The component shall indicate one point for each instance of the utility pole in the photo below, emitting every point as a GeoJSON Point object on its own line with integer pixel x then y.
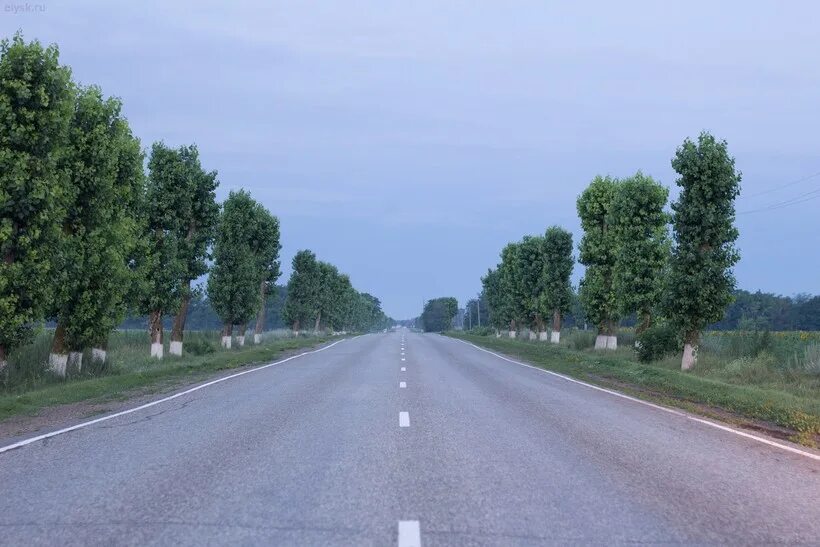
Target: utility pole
{"type": "Point", "coordinates": [478, 309]}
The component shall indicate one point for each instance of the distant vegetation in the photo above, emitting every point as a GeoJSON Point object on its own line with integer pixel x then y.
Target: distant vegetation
{"type": "Point", "coordinates": [438, 314]}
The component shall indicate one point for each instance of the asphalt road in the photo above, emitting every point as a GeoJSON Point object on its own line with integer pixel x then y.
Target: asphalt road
{"type": "Point", "coordinates": [316, 451]}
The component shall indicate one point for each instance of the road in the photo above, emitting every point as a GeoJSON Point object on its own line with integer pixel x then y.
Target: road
{"type": "Point", "coordinates": [317, 451]}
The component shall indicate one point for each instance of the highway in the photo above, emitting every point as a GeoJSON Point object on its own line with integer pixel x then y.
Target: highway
{"type": "Point", "coordinates": [400, 439]}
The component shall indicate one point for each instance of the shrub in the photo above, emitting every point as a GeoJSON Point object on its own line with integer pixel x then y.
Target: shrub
{"type": "Point", "coordinates": [657, 342]}
{"type": "Point", "coordinates": [200, 346]}
{"type": "Point", "coordinates": [582, 339]}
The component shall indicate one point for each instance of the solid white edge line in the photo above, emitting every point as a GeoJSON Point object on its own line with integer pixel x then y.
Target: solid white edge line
{"type": "Point", "coordinates": [404, 419]}
{"type": "Point", "coordinates": [409, 533]}
{"type": "Point", "coordinates": [710, 423]}
{"type": "Point", "coordinates": [81, 425]}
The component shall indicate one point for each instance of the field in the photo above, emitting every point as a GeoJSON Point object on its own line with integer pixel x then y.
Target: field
{"type": "Point", "coordinates": [769, 376]}
{"type": "Point", "coordinates": [28, 386]}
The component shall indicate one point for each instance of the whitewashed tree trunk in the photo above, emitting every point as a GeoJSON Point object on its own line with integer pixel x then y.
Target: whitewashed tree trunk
{"type": "Point", "coordinates": [512, 334]}
{"type": "Point", "coordinates": [3, 365]}
{"type": "Point", "coordinates": [555, 336]}
{"type": "Point", "coordinates": [75, 359]}
{"type": "Point", "coordinates": [257, 338]}
{"type": "Point", "coordinates": [156, 350]}
{"type": "Point", "coordinates": [611, 342]}
{"type": "Point", "coordinates": [240, 341]}
{"type": "Point", "coordinates": [226, 342]}
{"type": "Point", "coordinates": [57, 363]}
{"type": "Point", "coordinates": [690, 357]}
{"type": "Point", "coordinates": [542, 336]}
{"type": "Point", "coordinates": [99, 354]}
{"type": "Point", "coordinates": [600, 341]}
{"type": "Point", "coordinates": [175, 348]}
{"type": "Point", "coordinates": [497, 333]}
{"type": "Point", "coordinates": [532, 335]}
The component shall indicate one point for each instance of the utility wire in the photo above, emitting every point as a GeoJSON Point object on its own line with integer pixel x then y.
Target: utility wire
{"type": "Point", "coordinates": [776, 188]}
{"type": "Point", "coordinates": [801, 198]}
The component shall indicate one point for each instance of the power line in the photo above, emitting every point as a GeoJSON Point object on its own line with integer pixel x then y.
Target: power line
{"type": "Point", "coordinates": [801, 198]}
{"type": "Point", "coordinates": [776, 188]}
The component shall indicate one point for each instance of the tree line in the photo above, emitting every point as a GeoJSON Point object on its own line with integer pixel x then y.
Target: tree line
{"type": "Point", "coordinates": [633, 266]}
{"type": "Point", "coordinates": [438, 313]}
{"type": "Point", "coordinates": [86, 234]}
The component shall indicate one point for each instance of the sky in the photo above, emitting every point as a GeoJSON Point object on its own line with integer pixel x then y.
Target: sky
{"type": "Point", "coordinates": [408, 142]}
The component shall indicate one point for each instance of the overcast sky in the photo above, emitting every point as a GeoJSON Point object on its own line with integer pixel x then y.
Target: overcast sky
{"type": "Point", "coordinates": [407, 142]}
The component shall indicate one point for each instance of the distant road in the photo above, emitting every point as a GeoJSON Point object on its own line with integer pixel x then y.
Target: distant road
{"type": "Point", "coordinates": [329, 449]}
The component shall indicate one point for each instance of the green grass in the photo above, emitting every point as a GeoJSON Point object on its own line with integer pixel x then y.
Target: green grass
{"type": "Point", "coordinates": [130, 368]}
{"type": "Point", "coordinates": [736, 388]}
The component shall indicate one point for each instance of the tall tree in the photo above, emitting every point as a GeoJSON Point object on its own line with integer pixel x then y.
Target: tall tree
{"type": "Point", "coordinates": [598, 249]}
{"type": "Point", "coordinates": [35, 111]}
{"type": "Point", "coordinates": [700, 280]}
{"type": "Point", "coordinates": [529, 281]}
{"type": "Point", "coordinates": [161, 264]}
{"type": "Point", "coordinates": [303, 289]}
{"type": "Point", "coordinates": [491, 284]}
{"type": "Point", "coordinates": [438, 314]}
{"type": "Point", "coordinates": [104, 166]}
{"type": "Point", "coordinates": [197, 216]}
{"type": "Point", "coordinates": [640, 226]}
{"type": "Point", "coordinates": [266, 247]}
{"type": "Point", "coordinates": [234, 279]}
{"type": "Point", "coordinates": [513, 307]}
{"type": "Point", "coordinates": [557, 292]}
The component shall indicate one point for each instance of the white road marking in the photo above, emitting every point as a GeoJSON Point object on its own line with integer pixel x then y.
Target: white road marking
{"type": "Point", "coordinates": [402, 384]}
{"type": "Point", "coordinates": [404, 369]}
{"type": "Point", "coordinates": [404, 419]}
{"type": "Point", "coordinates": [409, 533]}
{"type": "Point", "coordinates": [710, 423]}
{"type": "Point", "coordinates": [25, 442]}
{"type": "Point", "coordinates": [402, 358]}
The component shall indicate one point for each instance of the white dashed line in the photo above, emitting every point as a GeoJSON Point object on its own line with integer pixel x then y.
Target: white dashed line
{"type": "Point", "coordinates": [409, 533]}
{"type": "Point", "coordinates": [404, 369]}
{"type": "Point", "coordinates": [402, 358]}
{"type": "Point", "coordinates": [404, 419]}
{"type": "Point", "coordinates": [402, 384]}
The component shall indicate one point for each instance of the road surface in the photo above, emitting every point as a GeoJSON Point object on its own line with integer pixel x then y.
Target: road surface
{"type": "Point", "coordinates": [344, 447]}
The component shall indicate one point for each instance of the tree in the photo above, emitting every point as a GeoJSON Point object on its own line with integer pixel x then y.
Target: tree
{"type": "Point", "coordinates": [194, 195]}
{"type": "Point", "coordinates": [557, 292]}
{"type": "Point", "coordinates": [161, 264]}
{"type": "Point", "coordinates": [512, 304]}
{"type": "Point", "coordinates": [303, 289]}
{"type": "Point", "coordinates": [640, 226]}
{"type": "Point", "coordinates": [438, 314]}
{"type": "Point", "coordinates": [700, 280]}
{"type": "Point", "coordinates": [35, 110]}
{"type": "Point", "coordinates": [104, 166]}
{"type": "Point", "coordinates": [234, 279]}
{"type": "Point", "coordinates": [266, 247]}
{"type": "Point", "coordinates": [598, 249]}
{"type": "Point", "coordinates": [528, 267]}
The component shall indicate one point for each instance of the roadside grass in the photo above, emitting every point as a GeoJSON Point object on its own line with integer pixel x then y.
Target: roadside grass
{"type": "Point", "coordinates": [750, 388]}
{"type": "Point", "coordinates": [129, 367]}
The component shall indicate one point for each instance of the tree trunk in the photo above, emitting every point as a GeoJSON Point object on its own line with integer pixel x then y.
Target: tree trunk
{"type": "Point", "coordinates": [645, 321]}
{"type": "Point", "coordinates": [100, 351]}
{"type": "Point", "coordinates": [260, 317]}
{"type": "Point", "coordinates": [58, 358]}
{"type": "Point", "coordinates": [227, 334]}
{"type": "Point", "coordinates": [512, 328]}
{"type": "Point", "coordinates": [178, 330]}
{"type": "Point", "coordinates": [240, 338]}
{"type": "Point", "coordinates": [318, 322]}
{"type": "Point", "coordinates": [3, 357]}
{"type": "Point", "coordinates": [296, 328]}
{"type": "Point", "coordinates": [690, 351]}
{"type": "Point", "coordinates": [155, 328]}
{"type": "Point", "coordinates": [555, 335]}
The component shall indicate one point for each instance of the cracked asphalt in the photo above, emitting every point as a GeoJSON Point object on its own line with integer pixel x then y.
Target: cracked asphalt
{"type": "Point", "coordinates": [311, 452]}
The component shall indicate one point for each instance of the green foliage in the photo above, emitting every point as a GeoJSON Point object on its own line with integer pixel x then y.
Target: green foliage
{"type": "Point", "coordinates": [657, 342]}
{"type": "Point", "coordinates": [557, 291]}
{"type": "Point", "coordinates": [598, 249]}
{"type": "Point", "coordinates": [640, 226]}
{"type": "Point", "coordinates": [438, 314]}
{"type": "Point", "coordinates": [529, 266]}
{"type": "Point", "coordinates": [235, 276]}
{"type": "Point", "coordinates": [303, 289]}
{"type": "Point", "coordinates": [104, 165]}
{"type": "Point", "coordinates": [700, 280]}
{"type": "Point", "coordinates": [35, 110]}
{"type": "Point", "coordinates": [496, 300]}
{"type": "Point", "coordinates": [511, 303]}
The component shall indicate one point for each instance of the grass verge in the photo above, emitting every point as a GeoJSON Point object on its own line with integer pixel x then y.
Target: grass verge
{"type": "Point", "coordinates": [800, 416]}
{"type": "Point", "coordinates": [121, 383]}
